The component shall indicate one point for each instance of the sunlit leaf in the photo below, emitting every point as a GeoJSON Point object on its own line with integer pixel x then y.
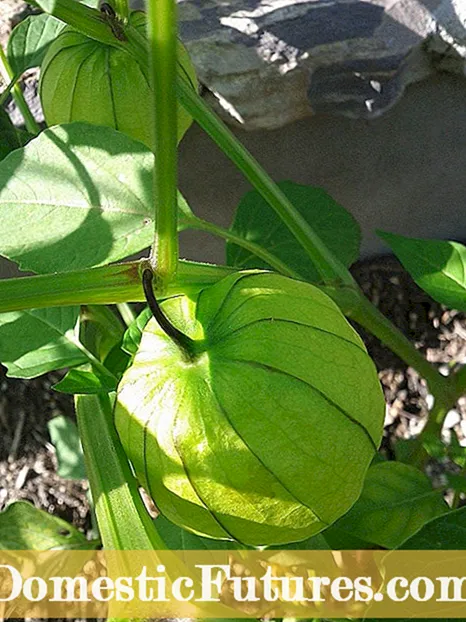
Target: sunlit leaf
{"type": "Point", "coordinates": [438, 267]}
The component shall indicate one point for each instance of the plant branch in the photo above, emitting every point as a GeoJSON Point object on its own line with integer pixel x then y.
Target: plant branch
{"type": "Point", "coordinates": [162, 62]}
{"type": "Point", "coordinates": [7, 90]}
{"type": "Point", "coordinates": [106, 285]}
{"type": "Point", "coordinates": [8, 76]}
{"type": "Point", "coordinates": [368, 316]}
{"type": "Point", "coordinates": [274, 262]}
{"type": "Point", "coordinates": [122, 9]}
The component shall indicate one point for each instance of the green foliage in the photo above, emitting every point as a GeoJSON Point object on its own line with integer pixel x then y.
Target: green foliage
{"type": "Point", "coordinates": [65, 438]}
{"type": "Point", "coordinates": [396, 501]}
{"type": "Point", "coordinates": [85, 80]}
{"type": "Point", "coordinates": [284, 343]}
{"type": "Point", "coordinates": [37, 341]}
{"type": "Point", "coordinates": [132, 337]}
{"type": "Point", "coordinates": [10, 137]}
{"type": "Point", "coordinates": [438, 267]}
{"type": "Point", "coordinates": [85, 193]}
{"type": "Point", "coordinates": [447, 532]}
{"type": "Point", "coordinates": [262, 427]}
{"type": "Point", "coordinates": [30, 40]}
{"type": "Point", "coordinates": [23, 527]}
{"type": "Point", "coordinates": [256, 221]}
{"type": "Point", "coordinates": [84, 382]}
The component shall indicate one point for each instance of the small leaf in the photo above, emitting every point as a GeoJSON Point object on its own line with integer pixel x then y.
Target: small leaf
{"type": "Point", "coordinates": [24, 527]}
{"type": "Point", "coordinates": [10, 137]}
{"type": "Point", "coordinates": [65, 438]}
{"type": "Point", "coordinates": [37, 341]}
{"type": "Point", "coordinates": [447, 532]}
{"type": "Point", "coordinates": [438, 267]}
{"type": "Point", "coordinates": [84, 382]}
{"type": "Point", "coordinates": [30, 39]}
{"type": "Point", "coordinates": [396, 501]}
{"type": "Point", "coordinates": [84, 194]}
{"type": "Point", "coordinates": [133, 334]}
{"type": "Point", "coordinates": [256, 221]}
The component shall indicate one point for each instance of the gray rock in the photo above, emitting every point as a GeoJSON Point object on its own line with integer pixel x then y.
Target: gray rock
{"type": "Point", "coordinates": [269, 62]}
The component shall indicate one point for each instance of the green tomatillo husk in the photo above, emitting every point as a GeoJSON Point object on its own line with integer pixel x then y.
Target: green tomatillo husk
{"type": "Point", "coordinates": [263, 433]}
{"type": "Point", "coordinates": [85, 80]}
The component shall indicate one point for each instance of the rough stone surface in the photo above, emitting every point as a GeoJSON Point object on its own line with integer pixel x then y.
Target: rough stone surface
{"type": "Point", "coordinates": [270, 62]}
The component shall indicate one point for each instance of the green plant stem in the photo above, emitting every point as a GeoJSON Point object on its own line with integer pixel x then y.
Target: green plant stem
{"type": "Point", "coordinates": [7, 90]}
{"type": "Point", "coordinates": [122, 9]}
{"type": "Point", "coordinates": [124, 523]}
{"type": "Point", "coordinates": [8, 76]}
{"type": "Point", "coordinates": [163, 63]}
{"type": "Point", "coordinates": [277, 264]}
{"type": "Point", "coordinates": [90, 23]}
{"type": "Point", "coordinates": [369, 317]}
{"type": "Point", "coordinates": [127, 314]}
{"type": "Point", "coordinates": [106, 285]}
{"type": "Point", "coordinates": [328, 266]}
{"type": "Point", "coordinates": [94, 361]}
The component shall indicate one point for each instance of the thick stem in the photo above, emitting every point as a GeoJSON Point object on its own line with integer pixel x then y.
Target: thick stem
{"type": "Point", "coordinates": [8, 76]}
{"type": "Point", "coordinates": [163, 63]}
{"type": "Point", "coordinates": [106, 285]}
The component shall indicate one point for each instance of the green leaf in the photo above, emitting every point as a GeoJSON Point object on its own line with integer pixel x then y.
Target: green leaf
{"type": "Point", "coordinates": [37, 341]}
{"type": "Point", "coordinates": [24, 527]}
{"type": "Point", "coordinates": [29, 41]}
{"type": "Point", "coordinates": [438, 267]}
{"type": "Point", "coordinates": [396, 501]}
{"type": "Point", "coordinates": [447, 532]}
{"type": "Point", "coordinates": [65, 438]}
{"type": "Point", "coordinates": [133, 334]}
{"type": "Point", "coordinates": [76, 196]}
{"type": "Point", "coordinates": [256, 221]}
{"type": "Point", "coordinates": [10, 137]}
{"type": "Point", "coordinates": [84, 382]}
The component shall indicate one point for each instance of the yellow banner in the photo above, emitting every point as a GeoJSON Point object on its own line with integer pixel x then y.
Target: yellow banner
{"type": "Point", "coordinates": [233, 584]}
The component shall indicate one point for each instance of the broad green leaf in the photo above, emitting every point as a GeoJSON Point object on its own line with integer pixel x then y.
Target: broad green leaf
{"type": "Point", "coordinates": [133, 334]}
{"type": "Point", "coordinates": [447, 532]}
{"type": "Point", "coordinates": [84, 382]}
{"type": "Point", "coordinates": [37, 341]}
{"type": "Point", "coordinates": [438, 267]}
{"type": "Point", "coordinates": [65, 438]}
{"type": "Point", "coordinates": [24, 527]}
{"type": "Point", "coordinates": [29, 41]}
{"type": "Point", "coordinates": [10, 137]}
{"type": "Point", "coordinates": [396, 501]}
{"type": "Point", "coordinates": [76, 196]}
{"type": "Point", "coordinates": [256, 221]}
